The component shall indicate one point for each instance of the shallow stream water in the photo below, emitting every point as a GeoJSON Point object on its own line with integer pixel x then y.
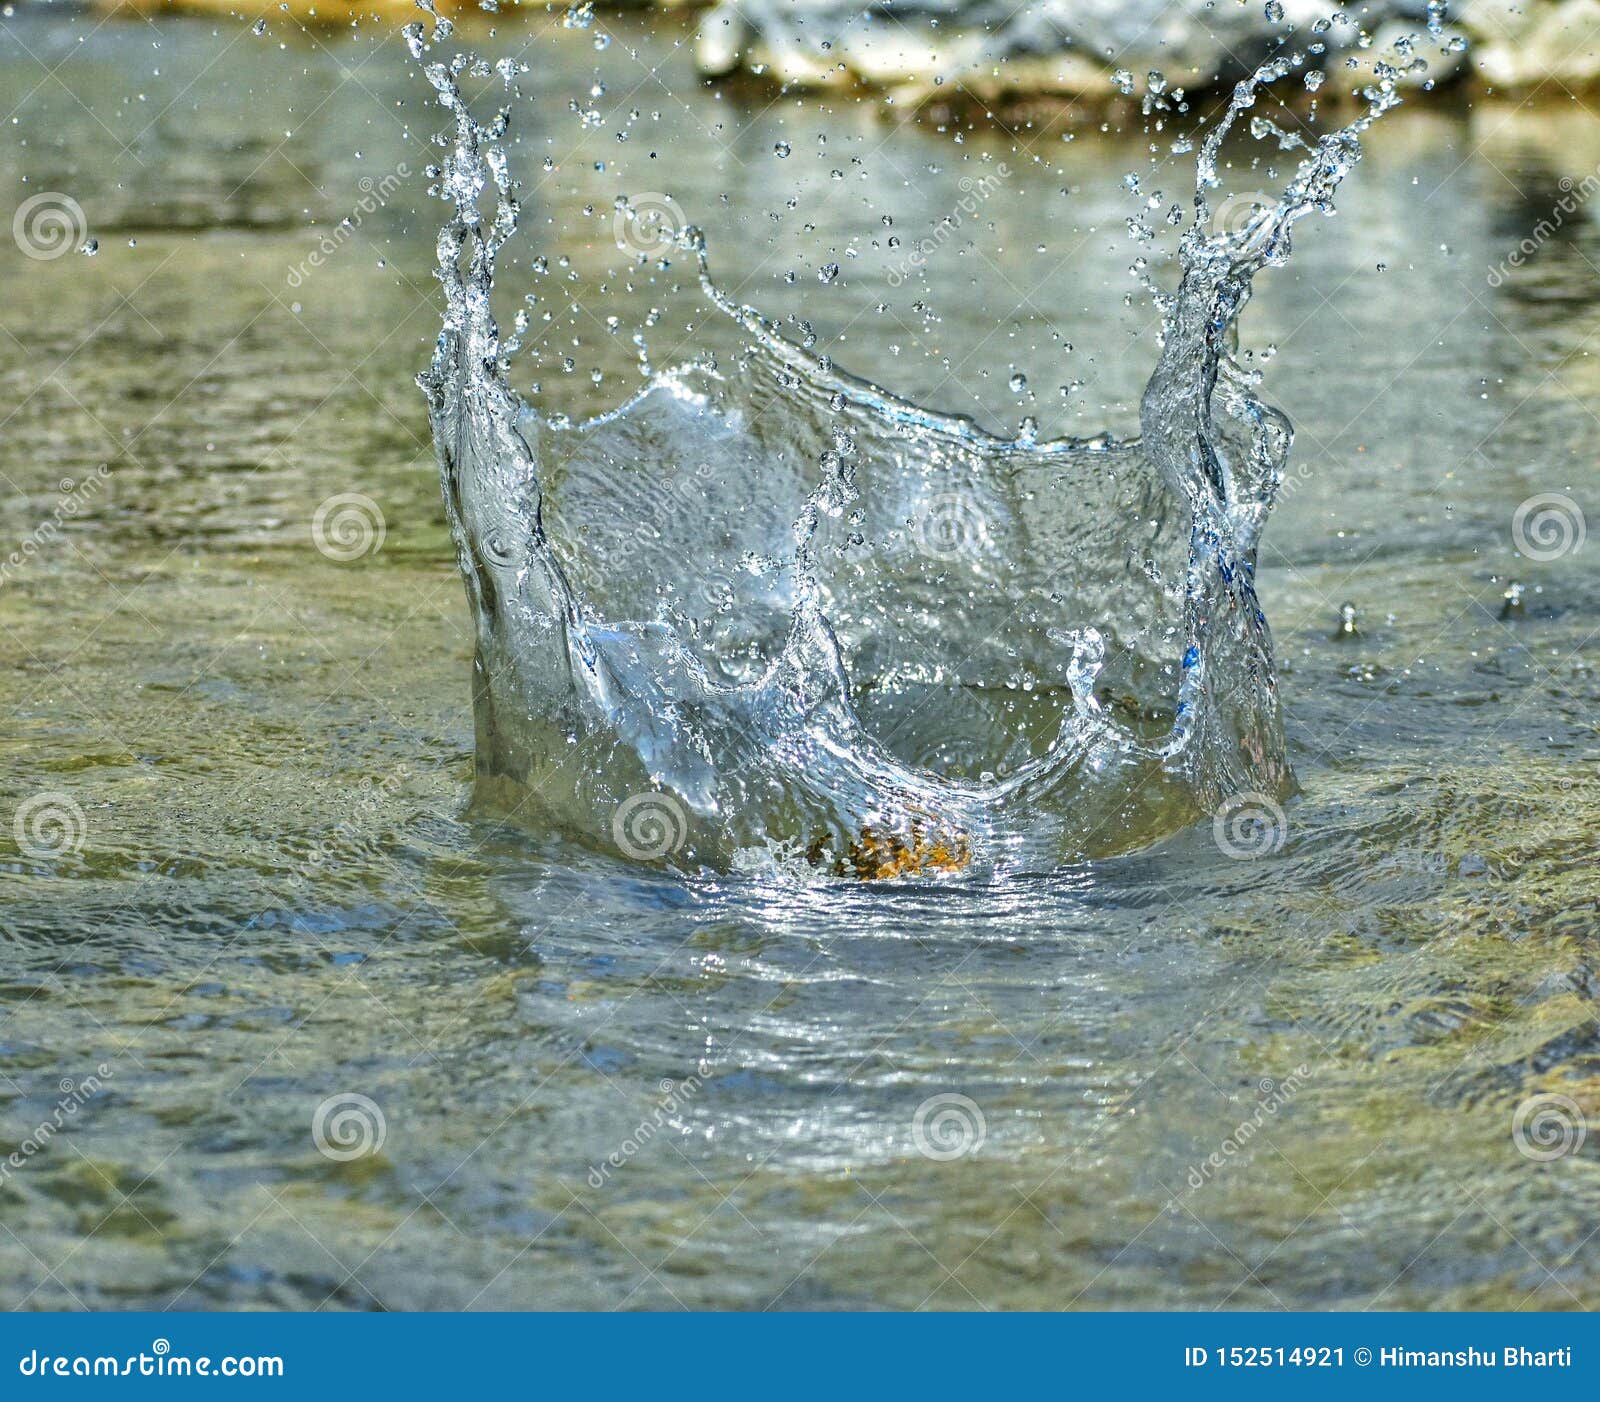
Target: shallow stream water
{"type": "Point", "coordinates": [1169, 1078]}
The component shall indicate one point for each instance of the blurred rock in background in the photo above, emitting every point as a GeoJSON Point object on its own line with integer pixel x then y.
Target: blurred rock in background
{"type": "Point", "coordinates": [914, 51]}
{"type": "Point", "coordinates": [988, 49]}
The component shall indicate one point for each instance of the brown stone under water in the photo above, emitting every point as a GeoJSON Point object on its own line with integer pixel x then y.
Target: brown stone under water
{"type": "Point", "coordinates": [878, 854]}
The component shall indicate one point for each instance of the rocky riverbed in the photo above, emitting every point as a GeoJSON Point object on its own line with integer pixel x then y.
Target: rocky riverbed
{"type": "Point", "coordinates": [916, 50]}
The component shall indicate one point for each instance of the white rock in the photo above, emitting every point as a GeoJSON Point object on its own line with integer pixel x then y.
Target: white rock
{"type": "Point", "coordinates": [721, 40]}
{"type": "Point", "coordinates": [1534, 42]}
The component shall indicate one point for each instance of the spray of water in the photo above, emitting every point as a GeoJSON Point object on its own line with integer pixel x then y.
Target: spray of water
{"type": "Point", "coordinates": [883, 642]}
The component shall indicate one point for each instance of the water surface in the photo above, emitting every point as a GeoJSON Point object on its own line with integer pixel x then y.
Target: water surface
{"type": "Point", "coordinates": [277, 898]}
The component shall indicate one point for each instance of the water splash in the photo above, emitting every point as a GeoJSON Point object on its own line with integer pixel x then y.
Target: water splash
{"type": "Point", "coordinates": [859, 634]}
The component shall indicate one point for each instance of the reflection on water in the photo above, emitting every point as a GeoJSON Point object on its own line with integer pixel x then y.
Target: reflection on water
{"type": "Point", "coordinates": [260, 894]}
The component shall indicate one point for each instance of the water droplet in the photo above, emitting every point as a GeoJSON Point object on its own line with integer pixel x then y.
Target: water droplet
{"type": "Point", "coordinates": [782, 148]}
